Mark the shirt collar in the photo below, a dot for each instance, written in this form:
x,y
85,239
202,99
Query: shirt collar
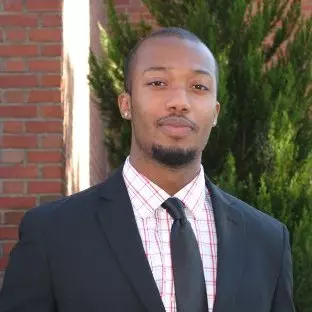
x,y
146,197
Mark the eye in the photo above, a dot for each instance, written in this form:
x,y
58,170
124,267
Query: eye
x,y
156,83
200,87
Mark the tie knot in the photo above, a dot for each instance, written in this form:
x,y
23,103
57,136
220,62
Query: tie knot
x,y
175,208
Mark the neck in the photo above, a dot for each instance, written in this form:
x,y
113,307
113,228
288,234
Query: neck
x,y
169,179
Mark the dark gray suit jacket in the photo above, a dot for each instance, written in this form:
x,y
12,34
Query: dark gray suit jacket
x,y
83,253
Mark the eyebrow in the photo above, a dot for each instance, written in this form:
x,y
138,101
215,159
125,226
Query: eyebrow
x,y
202,72
157,68
165,69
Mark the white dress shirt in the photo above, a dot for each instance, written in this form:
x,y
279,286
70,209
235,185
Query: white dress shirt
x,y
154,224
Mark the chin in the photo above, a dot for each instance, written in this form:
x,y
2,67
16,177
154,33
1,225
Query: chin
x,y
180,148
173,146
176,142
173,156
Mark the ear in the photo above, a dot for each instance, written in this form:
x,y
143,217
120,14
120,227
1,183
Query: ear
x,y
124,103
217,111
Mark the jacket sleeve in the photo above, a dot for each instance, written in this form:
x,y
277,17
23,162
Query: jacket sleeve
x,y
26,285
283,297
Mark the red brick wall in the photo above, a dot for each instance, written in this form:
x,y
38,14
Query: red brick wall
x,y
135,9
31,122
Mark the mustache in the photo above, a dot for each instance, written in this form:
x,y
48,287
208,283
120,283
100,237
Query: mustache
x,y
176,119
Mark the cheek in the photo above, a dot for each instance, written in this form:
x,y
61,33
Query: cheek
x,y
142,120
205,118
146,111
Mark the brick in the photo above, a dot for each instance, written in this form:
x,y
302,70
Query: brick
x,y
13,6
14,96
18,81
51,111
15,66
135,9
15,50
17,202
3,262
44,187
45,35
147,16
19,20
13,127
52,66
13,187
8,232
1,35
307,10
8,246
18,141
44,96
52,141
19,172
18,111
16,35
44,157
51,20
12,157
51,50
44,126
52,172
51,81
135,18
137,3
121,9
39,5
122,2
48,198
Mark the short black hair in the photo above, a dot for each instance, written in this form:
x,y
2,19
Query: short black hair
x,y
163,32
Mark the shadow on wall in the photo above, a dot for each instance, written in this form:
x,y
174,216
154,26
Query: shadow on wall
x,y
72,168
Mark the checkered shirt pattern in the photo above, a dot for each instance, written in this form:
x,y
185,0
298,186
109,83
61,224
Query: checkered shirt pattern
x,y
154,224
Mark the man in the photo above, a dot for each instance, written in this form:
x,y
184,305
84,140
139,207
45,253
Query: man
x,y
157,235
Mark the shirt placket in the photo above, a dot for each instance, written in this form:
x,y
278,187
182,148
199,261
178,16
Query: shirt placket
x,y
167,281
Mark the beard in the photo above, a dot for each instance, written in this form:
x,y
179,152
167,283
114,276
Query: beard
x,y
173,157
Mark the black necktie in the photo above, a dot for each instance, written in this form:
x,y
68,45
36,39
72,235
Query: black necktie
x,y
189,281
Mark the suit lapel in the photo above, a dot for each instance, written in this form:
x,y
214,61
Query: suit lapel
x,y
117,221
231,253
116,218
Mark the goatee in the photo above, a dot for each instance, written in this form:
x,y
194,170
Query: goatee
x,y
173,157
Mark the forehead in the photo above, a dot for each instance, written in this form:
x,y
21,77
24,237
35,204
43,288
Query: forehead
x,y
180,54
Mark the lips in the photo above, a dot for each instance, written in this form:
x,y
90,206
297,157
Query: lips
x,y
177,122
176,126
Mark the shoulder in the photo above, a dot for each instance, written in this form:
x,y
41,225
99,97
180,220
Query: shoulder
x,y
71,207
256,222
264,235
75,209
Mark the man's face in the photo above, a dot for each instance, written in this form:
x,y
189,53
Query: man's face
x,y
173,104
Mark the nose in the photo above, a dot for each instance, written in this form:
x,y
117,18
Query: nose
x,y
178,100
